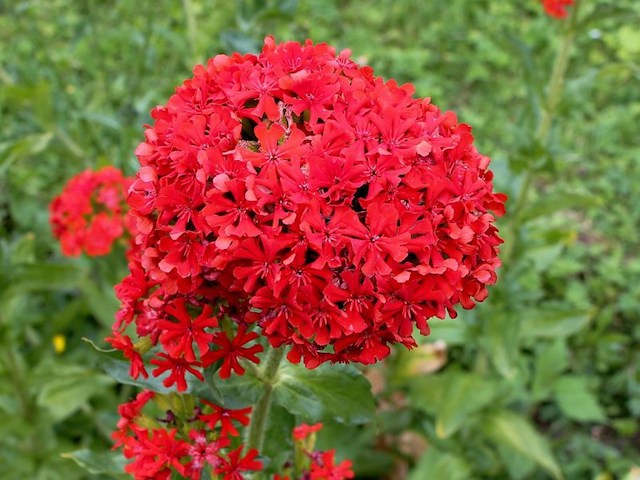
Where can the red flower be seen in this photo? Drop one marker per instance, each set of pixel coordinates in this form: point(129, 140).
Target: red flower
point(556, 8)
point(323, 467)
point(303, 431)
point(89, 214)
point(185, 447)
point(178, 338)
point(233, 466)
point(231, 350)
point(203, 452)
point(123, 343)
point(128, 414)
point(155, 455)
point(225, 418)
point(177, 367)
point(310, 201)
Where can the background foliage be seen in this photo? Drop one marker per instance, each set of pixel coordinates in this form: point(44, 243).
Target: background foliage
point(540, 381)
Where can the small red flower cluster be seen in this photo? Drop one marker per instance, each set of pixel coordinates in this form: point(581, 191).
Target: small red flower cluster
point(159, 448)
point(206, 440)
point(556, 8)
point(312, 464)
point(89, 214)
point(326, 206)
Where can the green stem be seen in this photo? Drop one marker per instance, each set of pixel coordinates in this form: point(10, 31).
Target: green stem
point(556, 82)
point(554, 95)
point(260, 413)
point(192, 28)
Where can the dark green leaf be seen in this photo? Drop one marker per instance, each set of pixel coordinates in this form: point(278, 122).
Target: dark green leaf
point(513, 431)
point(239, 42)
point(119, 371)
point(550, 363)
point(576, 401)
point(69, 389)
point(500, 341)
point(439, 464)
point(278, 442)
point(467, 395)
point(554, 202)
point(461, 395)
point(427, 393)
point(236, 391)
point(108, 463)
point(101, 301)
point(609, 11)
point(452, 331)
point(552, 322)
point(26, 146)
point(338, 392)
point(46, 276)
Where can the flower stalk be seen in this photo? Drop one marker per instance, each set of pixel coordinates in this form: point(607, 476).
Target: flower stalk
point(554, 95)
point(268, 374)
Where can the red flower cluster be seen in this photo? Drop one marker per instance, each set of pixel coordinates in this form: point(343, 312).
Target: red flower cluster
point(326, 206)
point(206, 440)
point(176, 330)
point(89, 214)
point(556, 8)
point(186, 446)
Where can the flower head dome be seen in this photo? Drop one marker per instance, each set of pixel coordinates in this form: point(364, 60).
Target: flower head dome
point(296, 191)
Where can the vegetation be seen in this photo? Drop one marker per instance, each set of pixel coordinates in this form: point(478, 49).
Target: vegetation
point(540, 381)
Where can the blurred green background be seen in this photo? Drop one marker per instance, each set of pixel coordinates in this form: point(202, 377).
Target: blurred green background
point(541, 381)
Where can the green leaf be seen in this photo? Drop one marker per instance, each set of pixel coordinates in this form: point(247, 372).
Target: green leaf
point(609, 11)
point(101, 301)
point(356, 442)
point(556, 201)
point(453, 397)
point(452, 331)
point(237, 391)
point(553, 322)
point(119, 371)
point(278, 442)
point(438, 464)
point(239, 42)
point(513, 431)
point(338, 392)
point(466, 394)
point(500, 341)
point(429, 392)
point(69, 389)
point(544, 256)
point(108, 463)
point(550, 363)
point(576, 401)
point(46, 276)
point(26, 146)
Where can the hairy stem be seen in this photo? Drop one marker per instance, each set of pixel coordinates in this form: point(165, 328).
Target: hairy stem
point(268, 374)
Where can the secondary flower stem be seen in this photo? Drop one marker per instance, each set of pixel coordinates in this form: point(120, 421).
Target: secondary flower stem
point(556, 82)
point(260, 413)
point(552, 100)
